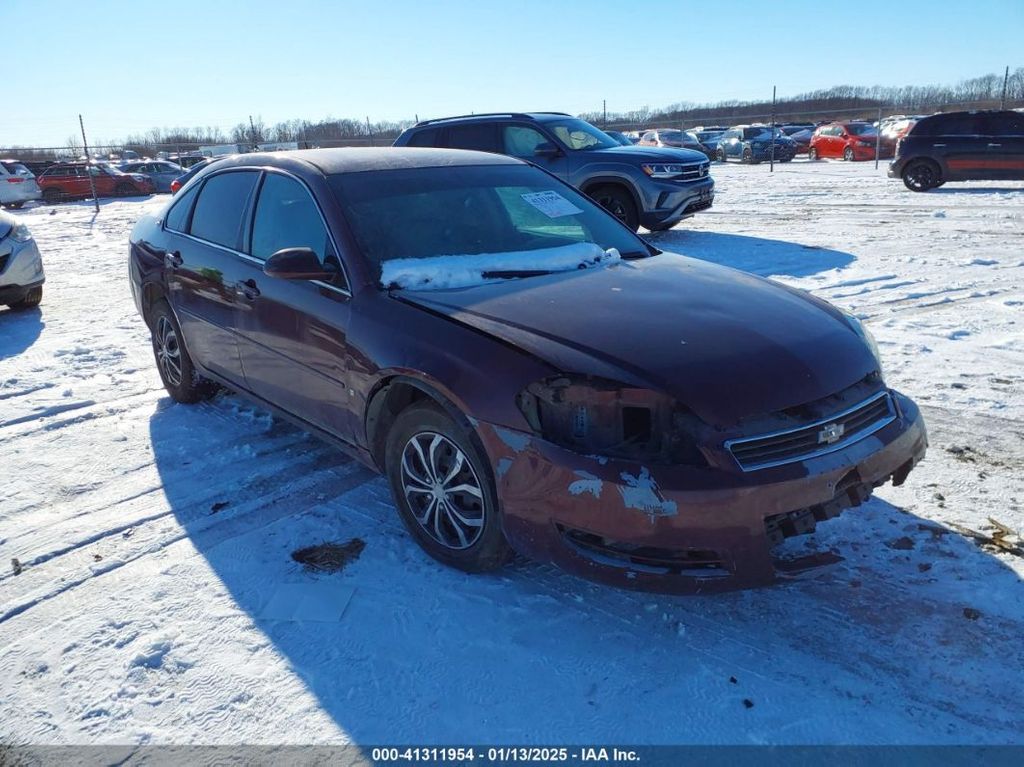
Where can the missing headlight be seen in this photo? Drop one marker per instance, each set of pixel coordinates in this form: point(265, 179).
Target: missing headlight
point(595, 416)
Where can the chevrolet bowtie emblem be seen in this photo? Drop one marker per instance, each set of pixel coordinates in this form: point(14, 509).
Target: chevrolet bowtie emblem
point(830, 433)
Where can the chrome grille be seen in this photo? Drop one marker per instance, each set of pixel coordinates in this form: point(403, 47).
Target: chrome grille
point(694, 171)
point(817, 438)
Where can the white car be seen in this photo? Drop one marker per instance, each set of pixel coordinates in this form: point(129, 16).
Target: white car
point(21, 266)
point(17, 184)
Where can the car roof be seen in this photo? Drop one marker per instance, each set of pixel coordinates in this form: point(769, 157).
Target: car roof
point(485, 116)
point(359, 159)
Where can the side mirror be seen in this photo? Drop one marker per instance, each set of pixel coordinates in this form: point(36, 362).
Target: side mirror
point(298, 264)
point(546, 149)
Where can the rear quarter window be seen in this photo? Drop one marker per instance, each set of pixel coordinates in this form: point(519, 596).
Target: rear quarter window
point(177, 217)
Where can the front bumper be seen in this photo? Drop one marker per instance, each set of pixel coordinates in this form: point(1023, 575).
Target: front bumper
point(896, 167)
point(678, 529)
point(669, 203)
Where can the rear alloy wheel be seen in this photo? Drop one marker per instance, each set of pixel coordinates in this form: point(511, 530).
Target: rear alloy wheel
point(52, 195)
point(31, 300)
point(921, 175)
point(619, 203)
point(848, 154)
point(177, 372)
point(443, 487)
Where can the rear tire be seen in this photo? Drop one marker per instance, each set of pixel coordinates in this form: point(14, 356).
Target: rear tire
point(125, 190)
point(52, 195)
point(13, 205)
point(848, 154)
point(921, 175)
point(619, 203)
point(444, 489)
point(177, 372)
point(31, 300)
point(720, 155)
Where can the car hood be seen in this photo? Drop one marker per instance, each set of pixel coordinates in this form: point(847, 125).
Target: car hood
point(725, 343)
point(641, 154)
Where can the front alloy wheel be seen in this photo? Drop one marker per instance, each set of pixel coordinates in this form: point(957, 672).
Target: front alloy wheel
point(443, 485)
point(442, 490)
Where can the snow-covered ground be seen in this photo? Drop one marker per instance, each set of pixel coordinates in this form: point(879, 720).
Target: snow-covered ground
point(154, 539)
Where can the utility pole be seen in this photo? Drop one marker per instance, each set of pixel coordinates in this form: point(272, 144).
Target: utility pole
point(771, 126)
point(878, 137)
point(1006, 79)
point(604, 107)
point(369, 130)
point(89, 165)
point(252, 128)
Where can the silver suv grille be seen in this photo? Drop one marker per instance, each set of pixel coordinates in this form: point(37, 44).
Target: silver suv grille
point(694, 171)
point(824, 436)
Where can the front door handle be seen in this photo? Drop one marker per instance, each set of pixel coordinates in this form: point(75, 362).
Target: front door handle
point(938, 145)
point(173, 259)
point(247, 289)
point(995, 145)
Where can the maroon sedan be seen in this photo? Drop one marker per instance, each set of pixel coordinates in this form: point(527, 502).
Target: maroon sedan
point(529, 374)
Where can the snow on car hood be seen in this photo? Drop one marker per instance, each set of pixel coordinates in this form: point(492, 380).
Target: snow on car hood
point(446, 272)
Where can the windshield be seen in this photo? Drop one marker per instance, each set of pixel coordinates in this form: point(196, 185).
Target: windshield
point(579, 134)
point(488, 210)
point(761, 132)
point(860, 129)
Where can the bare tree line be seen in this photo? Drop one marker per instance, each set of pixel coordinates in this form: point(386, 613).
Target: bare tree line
point(984, 91)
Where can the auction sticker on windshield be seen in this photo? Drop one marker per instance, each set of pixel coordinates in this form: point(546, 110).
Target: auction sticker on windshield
point(551, 204)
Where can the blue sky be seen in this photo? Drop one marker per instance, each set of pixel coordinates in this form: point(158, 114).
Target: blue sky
point(131, 65)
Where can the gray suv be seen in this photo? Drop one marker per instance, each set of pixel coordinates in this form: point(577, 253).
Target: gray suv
point(654, 186)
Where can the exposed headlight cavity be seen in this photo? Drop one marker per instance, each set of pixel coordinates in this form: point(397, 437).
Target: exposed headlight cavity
point(598, 417)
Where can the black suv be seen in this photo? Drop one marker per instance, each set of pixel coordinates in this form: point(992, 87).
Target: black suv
point(961, 146)
point(654, 186)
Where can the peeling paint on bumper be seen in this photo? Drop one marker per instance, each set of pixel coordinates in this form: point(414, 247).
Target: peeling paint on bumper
point(711, 521)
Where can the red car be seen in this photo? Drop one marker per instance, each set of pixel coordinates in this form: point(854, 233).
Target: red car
point(849, 141)
point(67, 181)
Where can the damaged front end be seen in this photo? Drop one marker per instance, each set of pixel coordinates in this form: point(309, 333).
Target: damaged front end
point(626, 486)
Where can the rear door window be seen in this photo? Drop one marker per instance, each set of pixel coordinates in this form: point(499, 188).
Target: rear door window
point(482, 137)
point(221, 204)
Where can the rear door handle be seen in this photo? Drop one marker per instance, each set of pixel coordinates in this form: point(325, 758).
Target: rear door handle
point(173, 260)
point(995, 145)
point(247, 289)
point(938, 145)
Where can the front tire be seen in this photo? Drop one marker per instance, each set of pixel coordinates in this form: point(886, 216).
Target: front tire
point(619, 203)
point(812, 154)
point(921, 175)
point(14, 205)
point(444, 490)
point(848, 154)
point(720, 155)
point(177, 372)
point(125, 190)
point(52, 195)
point(31, 300)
